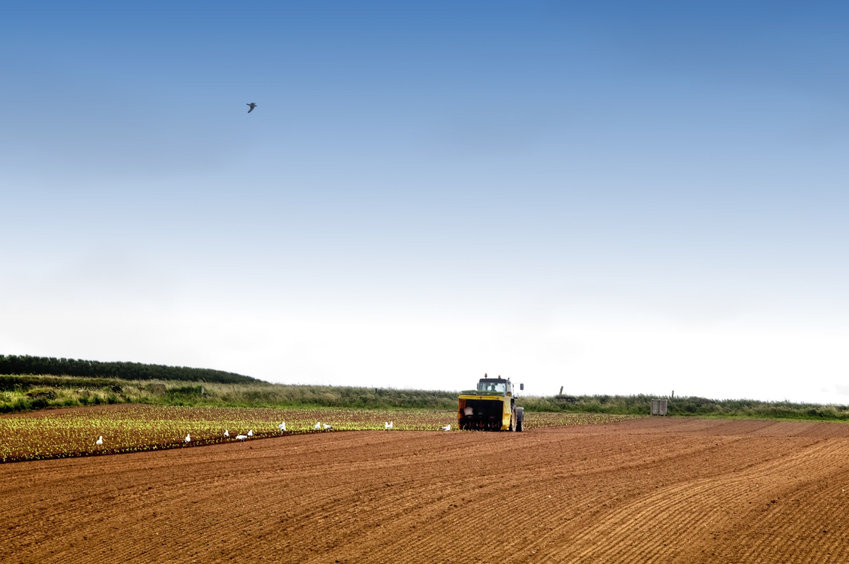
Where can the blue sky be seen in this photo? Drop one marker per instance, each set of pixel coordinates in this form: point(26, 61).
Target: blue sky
point(603, 196)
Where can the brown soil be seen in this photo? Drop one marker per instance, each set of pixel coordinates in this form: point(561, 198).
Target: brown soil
point(671, 490)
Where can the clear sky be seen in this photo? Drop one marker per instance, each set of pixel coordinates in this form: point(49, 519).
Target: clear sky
point(613, 197)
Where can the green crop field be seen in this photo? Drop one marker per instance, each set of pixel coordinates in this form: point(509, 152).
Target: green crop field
point(126, 428)
point(134, 407)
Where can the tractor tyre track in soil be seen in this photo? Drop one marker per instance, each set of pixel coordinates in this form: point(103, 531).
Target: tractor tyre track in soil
point(645, 490)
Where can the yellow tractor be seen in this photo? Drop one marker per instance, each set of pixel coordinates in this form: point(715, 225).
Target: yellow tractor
point(490, 407)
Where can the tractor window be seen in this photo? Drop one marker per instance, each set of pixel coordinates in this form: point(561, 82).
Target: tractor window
point(499, 387)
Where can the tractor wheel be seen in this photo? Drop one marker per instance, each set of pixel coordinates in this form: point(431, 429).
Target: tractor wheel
point(512, 421)
point(520, 419)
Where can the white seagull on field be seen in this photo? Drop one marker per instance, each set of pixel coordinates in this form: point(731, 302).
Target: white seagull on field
point(251, 433)
point(327, 427)
point(99, 440)
point(282, 426)
point(317, 425)
point(226, 432)
point(241, 437)
point(388, 424)
point(446, 428)
point(188, 438)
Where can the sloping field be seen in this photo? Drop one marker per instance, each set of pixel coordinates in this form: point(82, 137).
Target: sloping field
point(646, 490)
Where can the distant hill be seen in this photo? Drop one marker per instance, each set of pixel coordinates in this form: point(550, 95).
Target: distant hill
point(13, 364)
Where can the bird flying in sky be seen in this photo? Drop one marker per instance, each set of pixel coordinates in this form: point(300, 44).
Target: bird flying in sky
point(251, 105)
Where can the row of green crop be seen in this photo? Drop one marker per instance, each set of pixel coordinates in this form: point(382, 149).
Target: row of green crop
point(687, 405)
point(29, 392)
point(134, 428)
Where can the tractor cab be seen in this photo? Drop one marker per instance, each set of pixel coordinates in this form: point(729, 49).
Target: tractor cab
point(498, 386)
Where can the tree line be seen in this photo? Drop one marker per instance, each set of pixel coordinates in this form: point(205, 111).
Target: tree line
point(15, 364)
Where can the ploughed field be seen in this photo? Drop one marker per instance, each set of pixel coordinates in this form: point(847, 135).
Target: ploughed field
point(641, 490)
